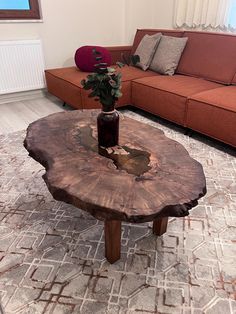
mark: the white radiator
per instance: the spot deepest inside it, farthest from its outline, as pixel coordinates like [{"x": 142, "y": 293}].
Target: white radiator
[{"x": 21, "y": 66}]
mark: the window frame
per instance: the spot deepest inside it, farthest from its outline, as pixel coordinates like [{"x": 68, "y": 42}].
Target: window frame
[{"x": 31, "y": 14}]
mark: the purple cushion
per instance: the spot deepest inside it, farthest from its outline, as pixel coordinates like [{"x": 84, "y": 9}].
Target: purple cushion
[{"x": 85, "y": 60}]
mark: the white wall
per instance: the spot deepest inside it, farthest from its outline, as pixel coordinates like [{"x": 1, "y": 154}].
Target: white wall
[
  {"x": 147, "y": 14},
  {"x": 68, "y": 25},
  {"x": 163, "y": 14}
]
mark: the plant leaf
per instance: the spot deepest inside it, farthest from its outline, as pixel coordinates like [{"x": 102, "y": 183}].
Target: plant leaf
[
  {"x": 120, "y": 64},
  {"x": 135, "y": 59},
  {"x": 95, "y": 52}
]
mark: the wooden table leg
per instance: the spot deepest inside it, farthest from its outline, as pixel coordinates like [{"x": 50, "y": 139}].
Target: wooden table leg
[
  {"x": 112, "y": 240},
  {"x": 160, "y": 225}
]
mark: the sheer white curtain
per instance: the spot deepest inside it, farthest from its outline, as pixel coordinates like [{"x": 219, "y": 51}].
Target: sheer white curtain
[{"x": 203, "y": 13}]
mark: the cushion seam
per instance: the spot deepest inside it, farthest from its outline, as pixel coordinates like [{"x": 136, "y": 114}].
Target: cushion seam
[
  {"x": 62, "y": 79},
  {"x": 187, "y": 97},
  {"x": 137, "y": 78},
  {"x": 212, "y": 105},
  {"x": 203, "y": 77}
]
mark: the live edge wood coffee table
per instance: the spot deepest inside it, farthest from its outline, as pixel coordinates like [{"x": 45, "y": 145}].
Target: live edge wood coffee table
[{"x": 147, "y": 178}]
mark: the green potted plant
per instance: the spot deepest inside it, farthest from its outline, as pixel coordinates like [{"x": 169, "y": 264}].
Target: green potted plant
[{"x": 105, "y": 86}]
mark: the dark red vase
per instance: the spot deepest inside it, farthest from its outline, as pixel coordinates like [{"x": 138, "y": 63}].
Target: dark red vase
[{"x": 108, "y": 128}]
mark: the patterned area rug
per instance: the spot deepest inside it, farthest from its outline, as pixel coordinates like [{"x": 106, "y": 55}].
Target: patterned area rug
[{"x": 52, "y": 254}]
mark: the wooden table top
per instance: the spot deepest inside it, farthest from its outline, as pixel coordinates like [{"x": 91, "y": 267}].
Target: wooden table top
[{"x": 146, "y": 177}]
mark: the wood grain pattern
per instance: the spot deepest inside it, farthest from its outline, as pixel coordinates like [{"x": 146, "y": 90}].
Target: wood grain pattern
[{"x": 76, "y": 173}]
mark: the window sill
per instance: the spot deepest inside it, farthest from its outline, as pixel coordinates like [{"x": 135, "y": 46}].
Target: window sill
[{"x": 21, "y": 21}]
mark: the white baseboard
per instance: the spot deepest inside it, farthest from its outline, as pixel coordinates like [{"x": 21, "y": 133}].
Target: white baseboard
[{"x": 13, "y": 97}]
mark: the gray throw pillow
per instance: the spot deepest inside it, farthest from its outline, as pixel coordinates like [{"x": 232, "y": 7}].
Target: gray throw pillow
[
  {"x": 146, "y": 50},
  {"x": 168, "y": 53}
]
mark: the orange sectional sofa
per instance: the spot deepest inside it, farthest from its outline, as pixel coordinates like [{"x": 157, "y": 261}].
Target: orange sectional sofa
[{"x": 201, "y": 95}]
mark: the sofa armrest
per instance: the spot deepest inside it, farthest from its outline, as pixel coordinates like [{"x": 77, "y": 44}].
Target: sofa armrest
[{"x": 118, "y": 51}]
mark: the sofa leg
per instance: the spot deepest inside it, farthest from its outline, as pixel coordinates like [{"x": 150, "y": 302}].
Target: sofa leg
[{"x": 188, "y": 132}]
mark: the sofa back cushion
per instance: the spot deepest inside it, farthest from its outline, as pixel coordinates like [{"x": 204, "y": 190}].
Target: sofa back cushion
[
  {"x": 141, "y": 32},
  {"x": 209, "y": 55}
]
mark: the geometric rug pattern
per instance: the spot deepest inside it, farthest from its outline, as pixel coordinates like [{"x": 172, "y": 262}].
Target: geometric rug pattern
[{"x": 52, "y": 254}]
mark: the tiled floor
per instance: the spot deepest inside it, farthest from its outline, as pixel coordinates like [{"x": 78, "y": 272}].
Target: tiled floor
[{"x": 52, "y": 254}]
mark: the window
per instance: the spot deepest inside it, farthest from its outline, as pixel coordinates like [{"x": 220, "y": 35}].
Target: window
[
  {"x": 19, "y": 9},
  {"x": 232, "y": 15}
]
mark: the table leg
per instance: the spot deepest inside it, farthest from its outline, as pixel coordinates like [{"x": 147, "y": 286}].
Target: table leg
[
  {"x": 160, "y": 225},
  {"x": 112, "y": 240}
]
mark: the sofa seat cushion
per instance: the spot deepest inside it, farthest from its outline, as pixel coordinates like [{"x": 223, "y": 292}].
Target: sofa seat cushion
[
  {"x": 213, "y": 113},
  {"x": 166, "y": 96},
  {"x": 65, "y": 83},
  {"x": 130, "y": 73}
]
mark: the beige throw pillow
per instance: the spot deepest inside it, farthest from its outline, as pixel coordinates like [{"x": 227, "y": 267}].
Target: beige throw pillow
[
  {"x": 168, "y": 53},
  {"x": 146, "y": 50}
]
